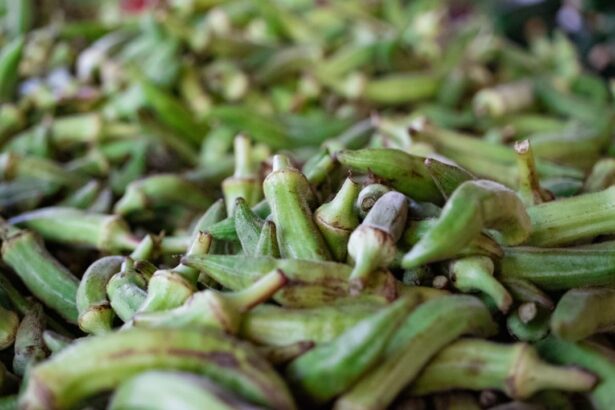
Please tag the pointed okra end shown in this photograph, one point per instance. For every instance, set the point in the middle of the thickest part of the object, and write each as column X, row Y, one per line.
column 340, row 211
column 267, row 244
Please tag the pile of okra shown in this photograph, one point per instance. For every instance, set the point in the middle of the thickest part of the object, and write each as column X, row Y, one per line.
column 350, row 205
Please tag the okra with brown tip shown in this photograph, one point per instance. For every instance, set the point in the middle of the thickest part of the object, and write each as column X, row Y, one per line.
column 474, row 206
column 159, row 390
column 29, row 344
column 310, row 283
column 398, row 169
column 516, row 369
column 581, row 313
column 222, row 310
column 108, row 360
column 77, row 227
column 372, row 245
column 338, row 218
column 287, row 190
column 428, row 329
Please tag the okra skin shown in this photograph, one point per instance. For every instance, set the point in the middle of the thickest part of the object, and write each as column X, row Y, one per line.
column 101, row 363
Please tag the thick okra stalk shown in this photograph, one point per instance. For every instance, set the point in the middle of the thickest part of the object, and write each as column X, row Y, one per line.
column 245, row 182
column 474, row 206
column 515, row 369
column 159, row 390
column 51, row 282
column 581, row 313
column 428, row 329
column 108, row 360
column 372, row 245
column 338, row 218
column 286, row 191
column 529, row 188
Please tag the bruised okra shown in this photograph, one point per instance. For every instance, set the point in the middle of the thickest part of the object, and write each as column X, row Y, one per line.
column 474, row 206
column 330, row 368
column 425, row 331
column 160, row 191
column 287, row 190
column 311, row 283
column 338, row 218
column 372, row 245
column 245, row 182
column 159, row 390
column 400, row 170
column 95, row 312
column 51, row 282
column 108, row 360
column 218, row 309
column 476, row 273
column 581, row 313
column 77, row 227
column 516, row 369
column 29, row 344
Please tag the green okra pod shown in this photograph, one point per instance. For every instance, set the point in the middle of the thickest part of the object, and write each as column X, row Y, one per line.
column 428, row 329
column 586, row 356
column 160, row 191
column 503, row 99
column 447, row 176
column 286, row 191
column 214, row 214
column 247, row 225
column 476, row 273
column 310, row 283
column 29, row 344
column 338, row 218
column 10, row 57
column 225, row 229
column 474, row 206
column 372, row 245
column 159, row 390
column 398, row 169
column 54, row 342
column 267, row 244
column 581, row 313
column 51, row 282
column 553, row 226
column 558, row 268
column 601, row 177
column 368, row 197
column 528, row 331
column 95, row 312
column 515, row 369
column 217, row 309
column 245, row 182
column 9, row 323
column 108, row 360
column 282, row 355
column 77, row 227
column 83, row 197
column 524, row 291
column 329, row 369
column 13, row 166
column 125, row 291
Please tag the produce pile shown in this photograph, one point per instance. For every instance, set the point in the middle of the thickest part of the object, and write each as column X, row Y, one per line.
column 301, row 204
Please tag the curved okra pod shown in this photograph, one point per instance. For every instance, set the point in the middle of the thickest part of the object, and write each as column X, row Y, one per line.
column 29, row 344
column 9, row 322
column 108, row 360
column 559, row 268
column 428, row 329
column 125, row 291
column 368, row 197
column 13, row 166
column 581, row 313
column 329, row 369
column 586, row 356
column 287, row 190
column 310, row 283
column 159, row 390
column 77, row 227
column 552, row 225
column 267, row 244
column 528, row 187
column 528, row 331
column 476, row 273
column 601, row 177
column 160, row 191
column 474, row 206
column 47, row 279
column 247, row 225
column 516, row 369
column 338, row 218
column 372, row 245
column 245, row 182
column 398, row 169
column 447, row 176
column 217, row 309
column 524, row 291
column 95, row 312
